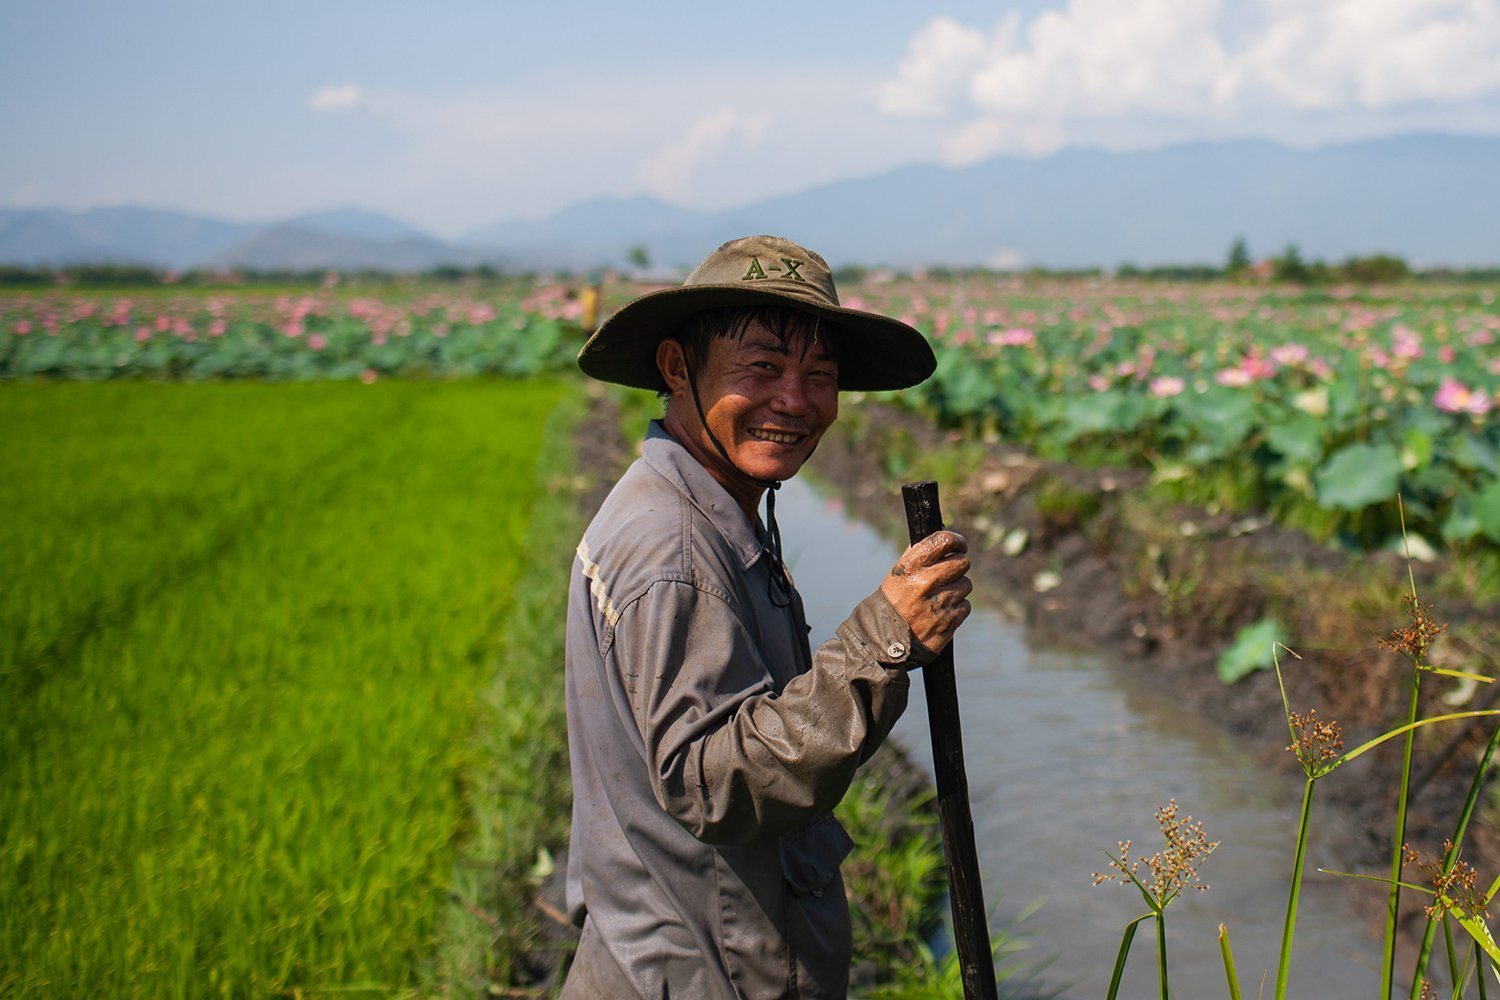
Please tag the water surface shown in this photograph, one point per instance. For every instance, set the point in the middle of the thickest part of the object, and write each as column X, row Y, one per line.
column 1067, row 753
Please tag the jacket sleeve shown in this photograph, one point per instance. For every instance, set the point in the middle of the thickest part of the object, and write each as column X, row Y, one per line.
column 732, row 760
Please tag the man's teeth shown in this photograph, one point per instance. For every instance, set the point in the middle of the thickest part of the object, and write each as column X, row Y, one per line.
column 775, row 437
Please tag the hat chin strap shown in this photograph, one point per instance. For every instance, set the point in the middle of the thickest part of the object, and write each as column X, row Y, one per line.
column 780, row 587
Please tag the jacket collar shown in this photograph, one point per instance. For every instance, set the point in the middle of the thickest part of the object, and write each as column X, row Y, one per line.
column 673, row 463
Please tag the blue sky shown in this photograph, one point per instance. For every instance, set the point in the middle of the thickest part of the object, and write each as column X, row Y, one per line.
column 457, row 115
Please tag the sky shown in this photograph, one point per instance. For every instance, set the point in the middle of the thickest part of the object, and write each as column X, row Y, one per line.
column 456, row 115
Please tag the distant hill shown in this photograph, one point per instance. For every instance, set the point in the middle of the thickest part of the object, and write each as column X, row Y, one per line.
column 1427, row 198
column 114, row 235
column 292, row 247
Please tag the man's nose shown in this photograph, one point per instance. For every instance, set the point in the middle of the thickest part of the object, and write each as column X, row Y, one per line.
column 792, row 394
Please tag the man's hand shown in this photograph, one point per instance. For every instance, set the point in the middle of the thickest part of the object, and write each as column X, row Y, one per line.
column 929, row 586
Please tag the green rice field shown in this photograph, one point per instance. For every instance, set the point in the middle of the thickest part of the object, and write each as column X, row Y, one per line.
column 246, row 633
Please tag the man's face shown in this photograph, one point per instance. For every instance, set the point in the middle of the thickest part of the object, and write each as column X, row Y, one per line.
column 767, row 402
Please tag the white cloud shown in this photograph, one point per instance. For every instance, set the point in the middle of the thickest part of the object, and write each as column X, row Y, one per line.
column 941, row 58
column 1374, row 54
column 1082, row 69
column 669, row 170
column 341, row 97
column 992, row 136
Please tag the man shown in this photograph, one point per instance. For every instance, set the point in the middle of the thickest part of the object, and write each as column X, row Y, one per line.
column 708, row 744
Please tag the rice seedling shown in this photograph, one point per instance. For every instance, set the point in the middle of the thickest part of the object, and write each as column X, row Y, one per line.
column 247, row 639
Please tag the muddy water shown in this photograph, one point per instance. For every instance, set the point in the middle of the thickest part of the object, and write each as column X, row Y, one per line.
column 1066, row 755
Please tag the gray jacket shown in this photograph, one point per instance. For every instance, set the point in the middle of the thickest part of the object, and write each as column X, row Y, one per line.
column 708, row 747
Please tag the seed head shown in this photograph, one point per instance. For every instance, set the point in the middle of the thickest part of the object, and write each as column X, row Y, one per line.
column 1416, row 637
column 1169, row 871
column 1455, row 890
column 1317, row 744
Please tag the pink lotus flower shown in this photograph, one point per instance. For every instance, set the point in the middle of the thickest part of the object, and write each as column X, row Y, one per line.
column 142, row 334
column 22, row 328
column 1165, row 386
column 1098, row 382
column 1405, row 342
column 1455, row 397
column 317, row 341
column 1289, row 354
column 1014, row 337
column 1233, row 377
column 367, row 376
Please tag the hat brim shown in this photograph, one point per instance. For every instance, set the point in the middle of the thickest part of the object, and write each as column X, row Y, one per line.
column 875, row 352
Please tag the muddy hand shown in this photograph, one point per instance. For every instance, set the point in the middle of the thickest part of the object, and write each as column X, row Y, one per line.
column 929, row 586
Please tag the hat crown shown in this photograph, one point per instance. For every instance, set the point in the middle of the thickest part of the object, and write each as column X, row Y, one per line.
column 770, row 264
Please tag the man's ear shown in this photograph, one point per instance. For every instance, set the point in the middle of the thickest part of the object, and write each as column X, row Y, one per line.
column 671, row 361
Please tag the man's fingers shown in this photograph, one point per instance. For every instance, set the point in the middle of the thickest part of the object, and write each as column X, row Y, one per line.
column 936, row 548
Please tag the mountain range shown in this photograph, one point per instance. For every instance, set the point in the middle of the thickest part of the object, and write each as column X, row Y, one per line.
column 1430, row 199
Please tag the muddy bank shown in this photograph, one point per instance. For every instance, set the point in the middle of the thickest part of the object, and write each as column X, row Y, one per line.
column 1085, row 556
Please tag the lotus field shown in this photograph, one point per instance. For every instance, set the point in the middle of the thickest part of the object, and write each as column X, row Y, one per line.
column 1315, row 407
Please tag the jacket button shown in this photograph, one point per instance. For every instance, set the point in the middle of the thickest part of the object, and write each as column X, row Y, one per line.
column 896, row 651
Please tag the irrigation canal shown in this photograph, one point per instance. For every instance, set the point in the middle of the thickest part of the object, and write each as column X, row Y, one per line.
column 1066, row 755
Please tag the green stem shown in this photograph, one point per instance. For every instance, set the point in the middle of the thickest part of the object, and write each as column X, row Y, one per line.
column 1161, row 952
column 1290, row 926
column 1388, row 965
column 1480, row 968
column 1452, row 859
column 1453, row 970
column 1229, row 973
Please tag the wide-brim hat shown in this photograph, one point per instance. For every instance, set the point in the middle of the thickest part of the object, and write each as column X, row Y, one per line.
column 874, row 352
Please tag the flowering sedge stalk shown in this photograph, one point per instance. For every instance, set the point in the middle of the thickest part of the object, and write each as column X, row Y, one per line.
column 1453, row 886
column 1171, row 871
column 1317, row 746
column 1411, row 641
column 1450, row 859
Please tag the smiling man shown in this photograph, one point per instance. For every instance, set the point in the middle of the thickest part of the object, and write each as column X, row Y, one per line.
column 709, row 744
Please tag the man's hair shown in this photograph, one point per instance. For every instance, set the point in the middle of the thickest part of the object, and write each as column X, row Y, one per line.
column 787, row 325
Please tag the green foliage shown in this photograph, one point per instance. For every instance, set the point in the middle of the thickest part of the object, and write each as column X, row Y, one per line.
column 246, row 638
column 1253, row 649
column 1238, row 261
column 1359, row 475
column 1378, row 269
column 1291, row 267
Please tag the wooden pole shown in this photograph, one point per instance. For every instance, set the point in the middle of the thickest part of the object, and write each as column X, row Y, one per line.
column 971, row 933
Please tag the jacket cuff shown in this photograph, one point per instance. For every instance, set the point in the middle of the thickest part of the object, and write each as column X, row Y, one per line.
column 877, row 629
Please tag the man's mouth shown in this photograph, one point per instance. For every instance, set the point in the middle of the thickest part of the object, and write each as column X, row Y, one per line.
column 775, row 437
